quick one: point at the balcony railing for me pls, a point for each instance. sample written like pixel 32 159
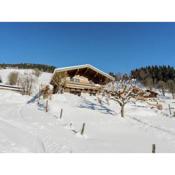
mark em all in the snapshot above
pixel 80 85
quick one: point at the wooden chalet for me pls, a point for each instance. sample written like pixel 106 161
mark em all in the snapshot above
pixel 151 94
pixel 81 78
pixel 144 94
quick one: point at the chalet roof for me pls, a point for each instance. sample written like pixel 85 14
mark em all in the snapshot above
pixel 84 66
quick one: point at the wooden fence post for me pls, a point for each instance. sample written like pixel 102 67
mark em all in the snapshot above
pixel 83 128
pixel 39 98
pixel 46 105
pixel 61 113
pixel 153 148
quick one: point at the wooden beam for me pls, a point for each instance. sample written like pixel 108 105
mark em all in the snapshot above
pixel 74 73
pixel 106 81
pixel 101 80
pixel 96 75
pixel 86 70
pixel 77 72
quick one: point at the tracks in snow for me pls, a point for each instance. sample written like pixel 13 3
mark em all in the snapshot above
pixel 16 130
pixel 153 126
pixel 40 129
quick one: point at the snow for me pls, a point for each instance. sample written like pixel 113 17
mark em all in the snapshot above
pixel 43 79
pixel 83 66
pixel 26 127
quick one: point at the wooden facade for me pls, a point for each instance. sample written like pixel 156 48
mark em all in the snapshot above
pixel 77 79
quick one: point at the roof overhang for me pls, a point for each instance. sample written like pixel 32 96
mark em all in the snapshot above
pixel 88 66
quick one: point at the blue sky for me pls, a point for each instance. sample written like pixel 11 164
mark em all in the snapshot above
pixel 116 47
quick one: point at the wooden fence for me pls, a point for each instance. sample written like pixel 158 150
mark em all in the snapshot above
pixel 10 87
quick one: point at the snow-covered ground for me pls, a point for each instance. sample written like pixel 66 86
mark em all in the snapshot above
pixel 26 127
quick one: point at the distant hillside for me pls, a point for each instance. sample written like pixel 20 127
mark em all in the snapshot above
pixel 162 77
pixel 41 67
pixel 156 73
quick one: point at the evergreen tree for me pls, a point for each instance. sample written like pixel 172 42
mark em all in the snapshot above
pixel 156 73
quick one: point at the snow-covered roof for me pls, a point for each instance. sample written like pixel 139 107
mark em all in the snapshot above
pixel 84 66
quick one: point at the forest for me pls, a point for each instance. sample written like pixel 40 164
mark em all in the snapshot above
pixel 41 67
pixel 160 77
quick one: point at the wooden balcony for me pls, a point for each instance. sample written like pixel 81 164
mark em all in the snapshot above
pixel 81 86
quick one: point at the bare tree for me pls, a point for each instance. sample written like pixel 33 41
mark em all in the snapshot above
pixel 123 93
pixel 118 76
pixel 162 86
pixel 171 87
pixel 26 81
pixel 149 83
pixel 142 74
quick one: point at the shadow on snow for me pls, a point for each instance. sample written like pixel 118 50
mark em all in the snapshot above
pixel 99 107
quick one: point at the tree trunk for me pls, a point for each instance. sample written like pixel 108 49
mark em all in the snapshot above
pixel 122 111
pixel 163 92
pixel 173 95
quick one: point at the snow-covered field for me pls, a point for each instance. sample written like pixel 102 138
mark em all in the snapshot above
pixel 26 127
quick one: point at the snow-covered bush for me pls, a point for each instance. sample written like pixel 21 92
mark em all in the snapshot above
pixel 46 91
pixel 13 78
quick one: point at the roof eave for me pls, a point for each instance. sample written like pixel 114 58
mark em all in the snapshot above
pixel 84 66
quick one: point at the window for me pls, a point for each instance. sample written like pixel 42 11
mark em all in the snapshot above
pixel 75 80
pixel 71 79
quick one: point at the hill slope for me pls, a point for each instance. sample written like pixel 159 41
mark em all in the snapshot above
pixel 26 127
